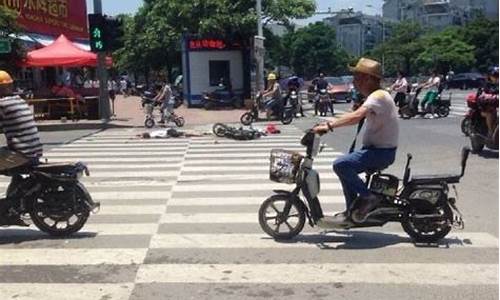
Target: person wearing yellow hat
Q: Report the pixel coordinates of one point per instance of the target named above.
(275, 104)
(17, 121)
(380, 140)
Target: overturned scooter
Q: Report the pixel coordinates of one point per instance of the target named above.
(421, 205)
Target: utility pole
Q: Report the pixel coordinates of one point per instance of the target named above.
(104, 109)
(259, 49)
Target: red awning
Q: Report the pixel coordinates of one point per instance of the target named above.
(62, 52)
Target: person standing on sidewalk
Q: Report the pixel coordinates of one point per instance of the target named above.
(166, 99)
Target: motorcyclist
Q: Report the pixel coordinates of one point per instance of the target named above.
(488, 100)
(275, 104)
(430, 97)
(321, 84)
(21, 133)
(293, 84)
(400, 86)
(380, 139)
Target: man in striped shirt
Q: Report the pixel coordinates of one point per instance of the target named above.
(17, 121)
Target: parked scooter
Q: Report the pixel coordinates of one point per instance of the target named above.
(410, 109)
(224, 96)
(286, 116)
(50, 194)
(422, 205)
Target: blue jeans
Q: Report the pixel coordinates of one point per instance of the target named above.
(347, 168)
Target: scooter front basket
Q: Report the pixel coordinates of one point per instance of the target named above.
(284, 166)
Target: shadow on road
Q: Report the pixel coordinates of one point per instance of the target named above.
(366, 240)
(19, 236)
(489, 154)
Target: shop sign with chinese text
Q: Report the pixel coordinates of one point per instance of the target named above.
(51, 17)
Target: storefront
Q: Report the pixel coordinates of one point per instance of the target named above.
(206, 61)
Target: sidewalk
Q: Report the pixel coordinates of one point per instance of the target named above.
(129, 114)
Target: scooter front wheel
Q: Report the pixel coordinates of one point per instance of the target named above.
(149, 123)
(281, 217)
(246, 119)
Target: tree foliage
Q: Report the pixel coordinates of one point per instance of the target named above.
(8, 30)
(445, 50)
(152, 36)
(312, 49)
(483, 34)
(416, 49)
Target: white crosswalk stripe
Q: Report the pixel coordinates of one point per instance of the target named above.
(184, 211)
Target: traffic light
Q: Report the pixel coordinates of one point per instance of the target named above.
(97, 33)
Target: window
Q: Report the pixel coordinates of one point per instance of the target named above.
(218, 69)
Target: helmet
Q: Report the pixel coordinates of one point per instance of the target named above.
(493, 71)
(5, 78)
(271, 76)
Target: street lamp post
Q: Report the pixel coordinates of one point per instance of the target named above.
(104, 109)
(259, 49)
(383, 37)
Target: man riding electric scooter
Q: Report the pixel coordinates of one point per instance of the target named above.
(380, 139)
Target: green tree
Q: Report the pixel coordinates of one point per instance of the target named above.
(483, 34)
(402, 48)
(313, 48)
(158, 26)
(444, 50)
(8, 30)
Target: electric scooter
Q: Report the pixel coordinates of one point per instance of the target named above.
(421, 204)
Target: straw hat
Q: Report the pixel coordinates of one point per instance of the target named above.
(368, 66)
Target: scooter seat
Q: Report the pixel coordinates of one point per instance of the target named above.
(373, 171)
(56, 167)
(435, 179)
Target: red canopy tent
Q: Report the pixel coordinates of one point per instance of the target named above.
(62, 53)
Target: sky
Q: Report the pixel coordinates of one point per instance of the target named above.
(114, 7)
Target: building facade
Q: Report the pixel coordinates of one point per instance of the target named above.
(357, 32)
(438, 14)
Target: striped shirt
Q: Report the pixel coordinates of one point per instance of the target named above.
(18, 125)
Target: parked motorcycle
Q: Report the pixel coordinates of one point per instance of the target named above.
(410, 109)
(51, 195)
(422, 205)
(222, 97)
(286, 117)
(479, 134)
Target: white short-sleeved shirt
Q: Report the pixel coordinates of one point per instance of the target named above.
(436, 81)
(382, 128)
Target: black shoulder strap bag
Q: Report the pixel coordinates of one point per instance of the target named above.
(360, 125)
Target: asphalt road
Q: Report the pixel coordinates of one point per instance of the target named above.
(179, 221)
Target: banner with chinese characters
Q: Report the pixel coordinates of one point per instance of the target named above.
(51, 17)
(210, 44)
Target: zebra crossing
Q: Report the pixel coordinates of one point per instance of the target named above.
(178, 220)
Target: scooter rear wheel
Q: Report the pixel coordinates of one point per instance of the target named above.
(427, 231)
(276, 223)
(443, 111)
(179, 121)
(466, 126)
